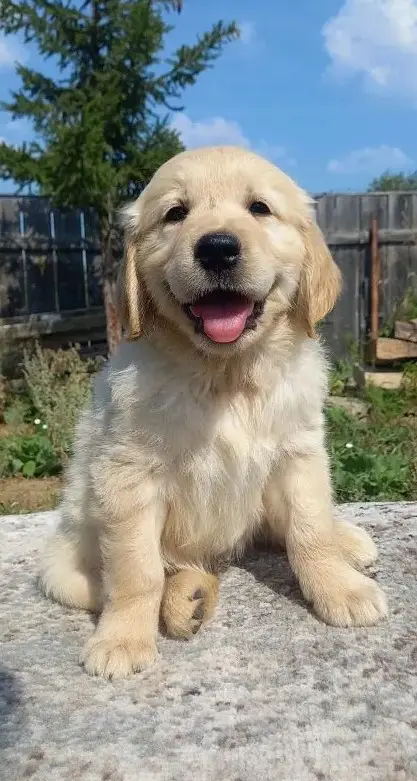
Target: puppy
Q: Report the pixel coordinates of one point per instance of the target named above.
(206, 428)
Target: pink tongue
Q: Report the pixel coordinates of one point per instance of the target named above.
(223, 322)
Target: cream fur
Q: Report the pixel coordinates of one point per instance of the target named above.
(189, 449)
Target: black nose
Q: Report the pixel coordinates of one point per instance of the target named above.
(217, 251)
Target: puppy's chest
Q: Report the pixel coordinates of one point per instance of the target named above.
(221, 472)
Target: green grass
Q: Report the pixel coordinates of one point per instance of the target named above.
(375, 459)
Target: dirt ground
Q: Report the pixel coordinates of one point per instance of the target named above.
(20, 495)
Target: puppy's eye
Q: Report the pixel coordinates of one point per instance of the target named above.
(176, 214)
(259, 207)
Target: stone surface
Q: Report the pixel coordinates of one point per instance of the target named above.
(266, 693)
(355, 407)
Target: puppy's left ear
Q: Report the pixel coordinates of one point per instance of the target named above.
(320, 281)
(130, 291)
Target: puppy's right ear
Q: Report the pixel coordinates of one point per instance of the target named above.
(130, 293)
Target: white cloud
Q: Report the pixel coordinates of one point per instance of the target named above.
(370, 160)
(10, 51)
(247, 33)
(377, 41)
(215, 131)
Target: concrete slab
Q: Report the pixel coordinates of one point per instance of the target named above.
(266, 693)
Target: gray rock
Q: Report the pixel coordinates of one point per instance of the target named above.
(355, 407)
(266, 693)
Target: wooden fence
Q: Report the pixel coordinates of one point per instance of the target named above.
(49, 264)
(345, 220)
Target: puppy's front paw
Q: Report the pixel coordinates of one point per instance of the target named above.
(351, 599)
(355, 544)
(111, 656)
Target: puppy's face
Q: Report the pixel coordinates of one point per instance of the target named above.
(220, 244)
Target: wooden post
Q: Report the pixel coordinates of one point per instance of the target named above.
(375, 280)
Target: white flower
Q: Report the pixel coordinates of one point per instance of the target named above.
(36, 421)
(44, 426)
(349, 445)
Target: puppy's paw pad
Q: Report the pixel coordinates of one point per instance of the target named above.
(361, 603)
(115, 658)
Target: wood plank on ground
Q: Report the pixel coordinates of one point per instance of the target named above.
(389, 350)
(406, 330)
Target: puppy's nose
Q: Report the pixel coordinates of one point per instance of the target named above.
(217, 251)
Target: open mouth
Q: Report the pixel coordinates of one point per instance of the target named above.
(224, 315)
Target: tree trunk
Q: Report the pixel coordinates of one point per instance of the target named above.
(113, 327)
(109, 273)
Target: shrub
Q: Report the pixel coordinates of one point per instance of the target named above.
(31, 456)
(18, 411)
(58, 384)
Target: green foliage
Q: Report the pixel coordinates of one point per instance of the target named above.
(409, 386)
(390, 181)
(404, 310)
(408, 307)
(30, 456)
(340, 377)
(58, 385)
(101, 129)
(18, 411)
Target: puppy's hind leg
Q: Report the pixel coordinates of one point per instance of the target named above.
(189, 601)
(70, 568)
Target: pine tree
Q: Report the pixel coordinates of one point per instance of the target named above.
(392, 181)
(100, 127)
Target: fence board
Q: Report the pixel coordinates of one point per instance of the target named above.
(67, 227)
(71, 288)
(12, 299)
(9, 220)
(373, 206)
(36, 220)
(95, 296)
(41, 283)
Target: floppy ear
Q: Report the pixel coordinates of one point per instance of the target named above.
(320, 282)
(130, 293)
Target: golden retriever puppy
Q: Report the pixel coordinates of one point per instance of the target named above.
(206, 427)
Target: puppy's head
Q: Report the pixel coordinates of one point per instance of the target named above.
(220, 245)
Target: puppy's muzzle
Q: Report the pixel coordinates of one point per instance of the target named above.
(218, 252)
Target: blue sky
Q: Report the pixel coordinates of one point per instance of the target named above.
(327, 89)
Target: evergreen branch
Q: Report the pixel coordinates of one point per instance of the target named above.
(189, 61)
(20, 164)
